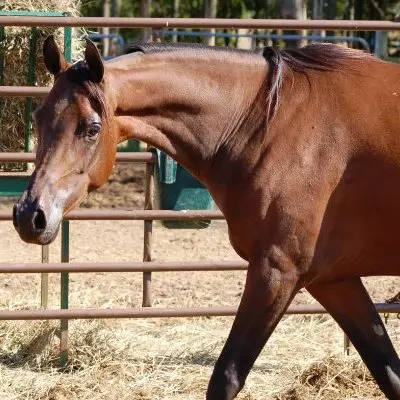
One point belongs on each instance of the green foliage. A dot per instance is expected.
(366, 9)
(92, 8)
(337, 9)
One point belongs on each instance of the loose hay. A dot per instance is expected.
(173, 360)
(15, 52)
(163, 359)
(334, 378)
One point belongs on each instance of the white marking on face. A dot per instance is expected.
(55, 216)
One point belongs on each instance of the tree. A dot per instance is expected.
(145, 12)
(293, 9)
(318, 9)
(106, 30)
(210, 11)
(176, 15)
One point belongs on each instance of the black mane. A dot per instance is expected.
(155, 47)
(314, 56)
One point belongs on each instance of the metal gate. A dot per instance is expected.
(148, 215)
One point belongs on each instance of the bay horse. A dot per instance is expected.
(300, 149)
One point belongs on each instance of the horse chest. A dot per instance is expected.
(244, 228)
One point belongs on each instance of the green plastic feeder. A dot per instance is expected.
(177, 189)
(13, 184)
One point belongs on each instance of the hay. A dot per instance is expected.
(167, 360)
(172, 360)
(162, 359)
(15, 51)
(334, 378)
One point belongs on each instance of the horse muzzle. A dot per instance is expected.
(32, 222)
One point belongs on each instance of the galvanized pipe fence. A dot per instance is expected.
(201, 23)
(148, 215)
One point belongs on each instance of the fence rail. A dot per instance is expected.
(140, 157)
(148, 215)
(171, 266)
(90, 313)
(134, 215)
(23, 91)
(160, 23)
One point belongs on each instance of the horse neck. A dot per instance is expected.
(186, 103)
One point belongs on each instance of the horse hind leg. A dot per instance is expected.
(267, 294)
(350, 305)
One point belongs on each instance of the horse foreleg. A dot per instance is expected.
(350, 305)
(270, 286)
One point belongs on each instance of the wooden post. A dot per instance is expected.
(176, 15)
(44, 284)
(106, 30)
(210, 11)
(64, 294)
(145, 12)
(148, 233)
(381, 44)
(346, 345)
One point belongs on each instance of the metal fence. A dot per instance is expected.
(201, 23)
(148, 215)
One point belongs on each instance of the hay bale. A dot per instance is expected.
(15, 52)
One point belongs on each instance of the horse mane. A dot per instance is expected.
(156, 47)
(316, 56)
(322, 57)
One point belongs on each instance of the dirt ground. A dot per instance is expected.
(164, 358)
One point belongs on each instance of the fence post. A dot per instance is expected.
(149, 205)
(44, 279)
(148, 233)
(65, 237)
(381, 45)
(346, 345)
(64, 294)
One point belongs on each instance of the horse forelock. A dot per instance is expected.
(79, 73)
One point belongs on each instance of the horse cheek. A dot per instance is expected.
(102, 168)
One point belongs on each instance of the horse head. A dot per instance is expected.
(76, 144)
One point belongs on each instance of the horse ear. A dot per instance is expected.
(94, 62)
(54, 60)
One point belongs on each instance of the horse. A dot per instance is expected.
(299, 148)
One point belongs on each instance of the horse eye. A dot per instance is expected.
(94, 130)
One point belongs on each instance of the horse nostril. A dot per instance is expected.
(14, 215)
(39, 220)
